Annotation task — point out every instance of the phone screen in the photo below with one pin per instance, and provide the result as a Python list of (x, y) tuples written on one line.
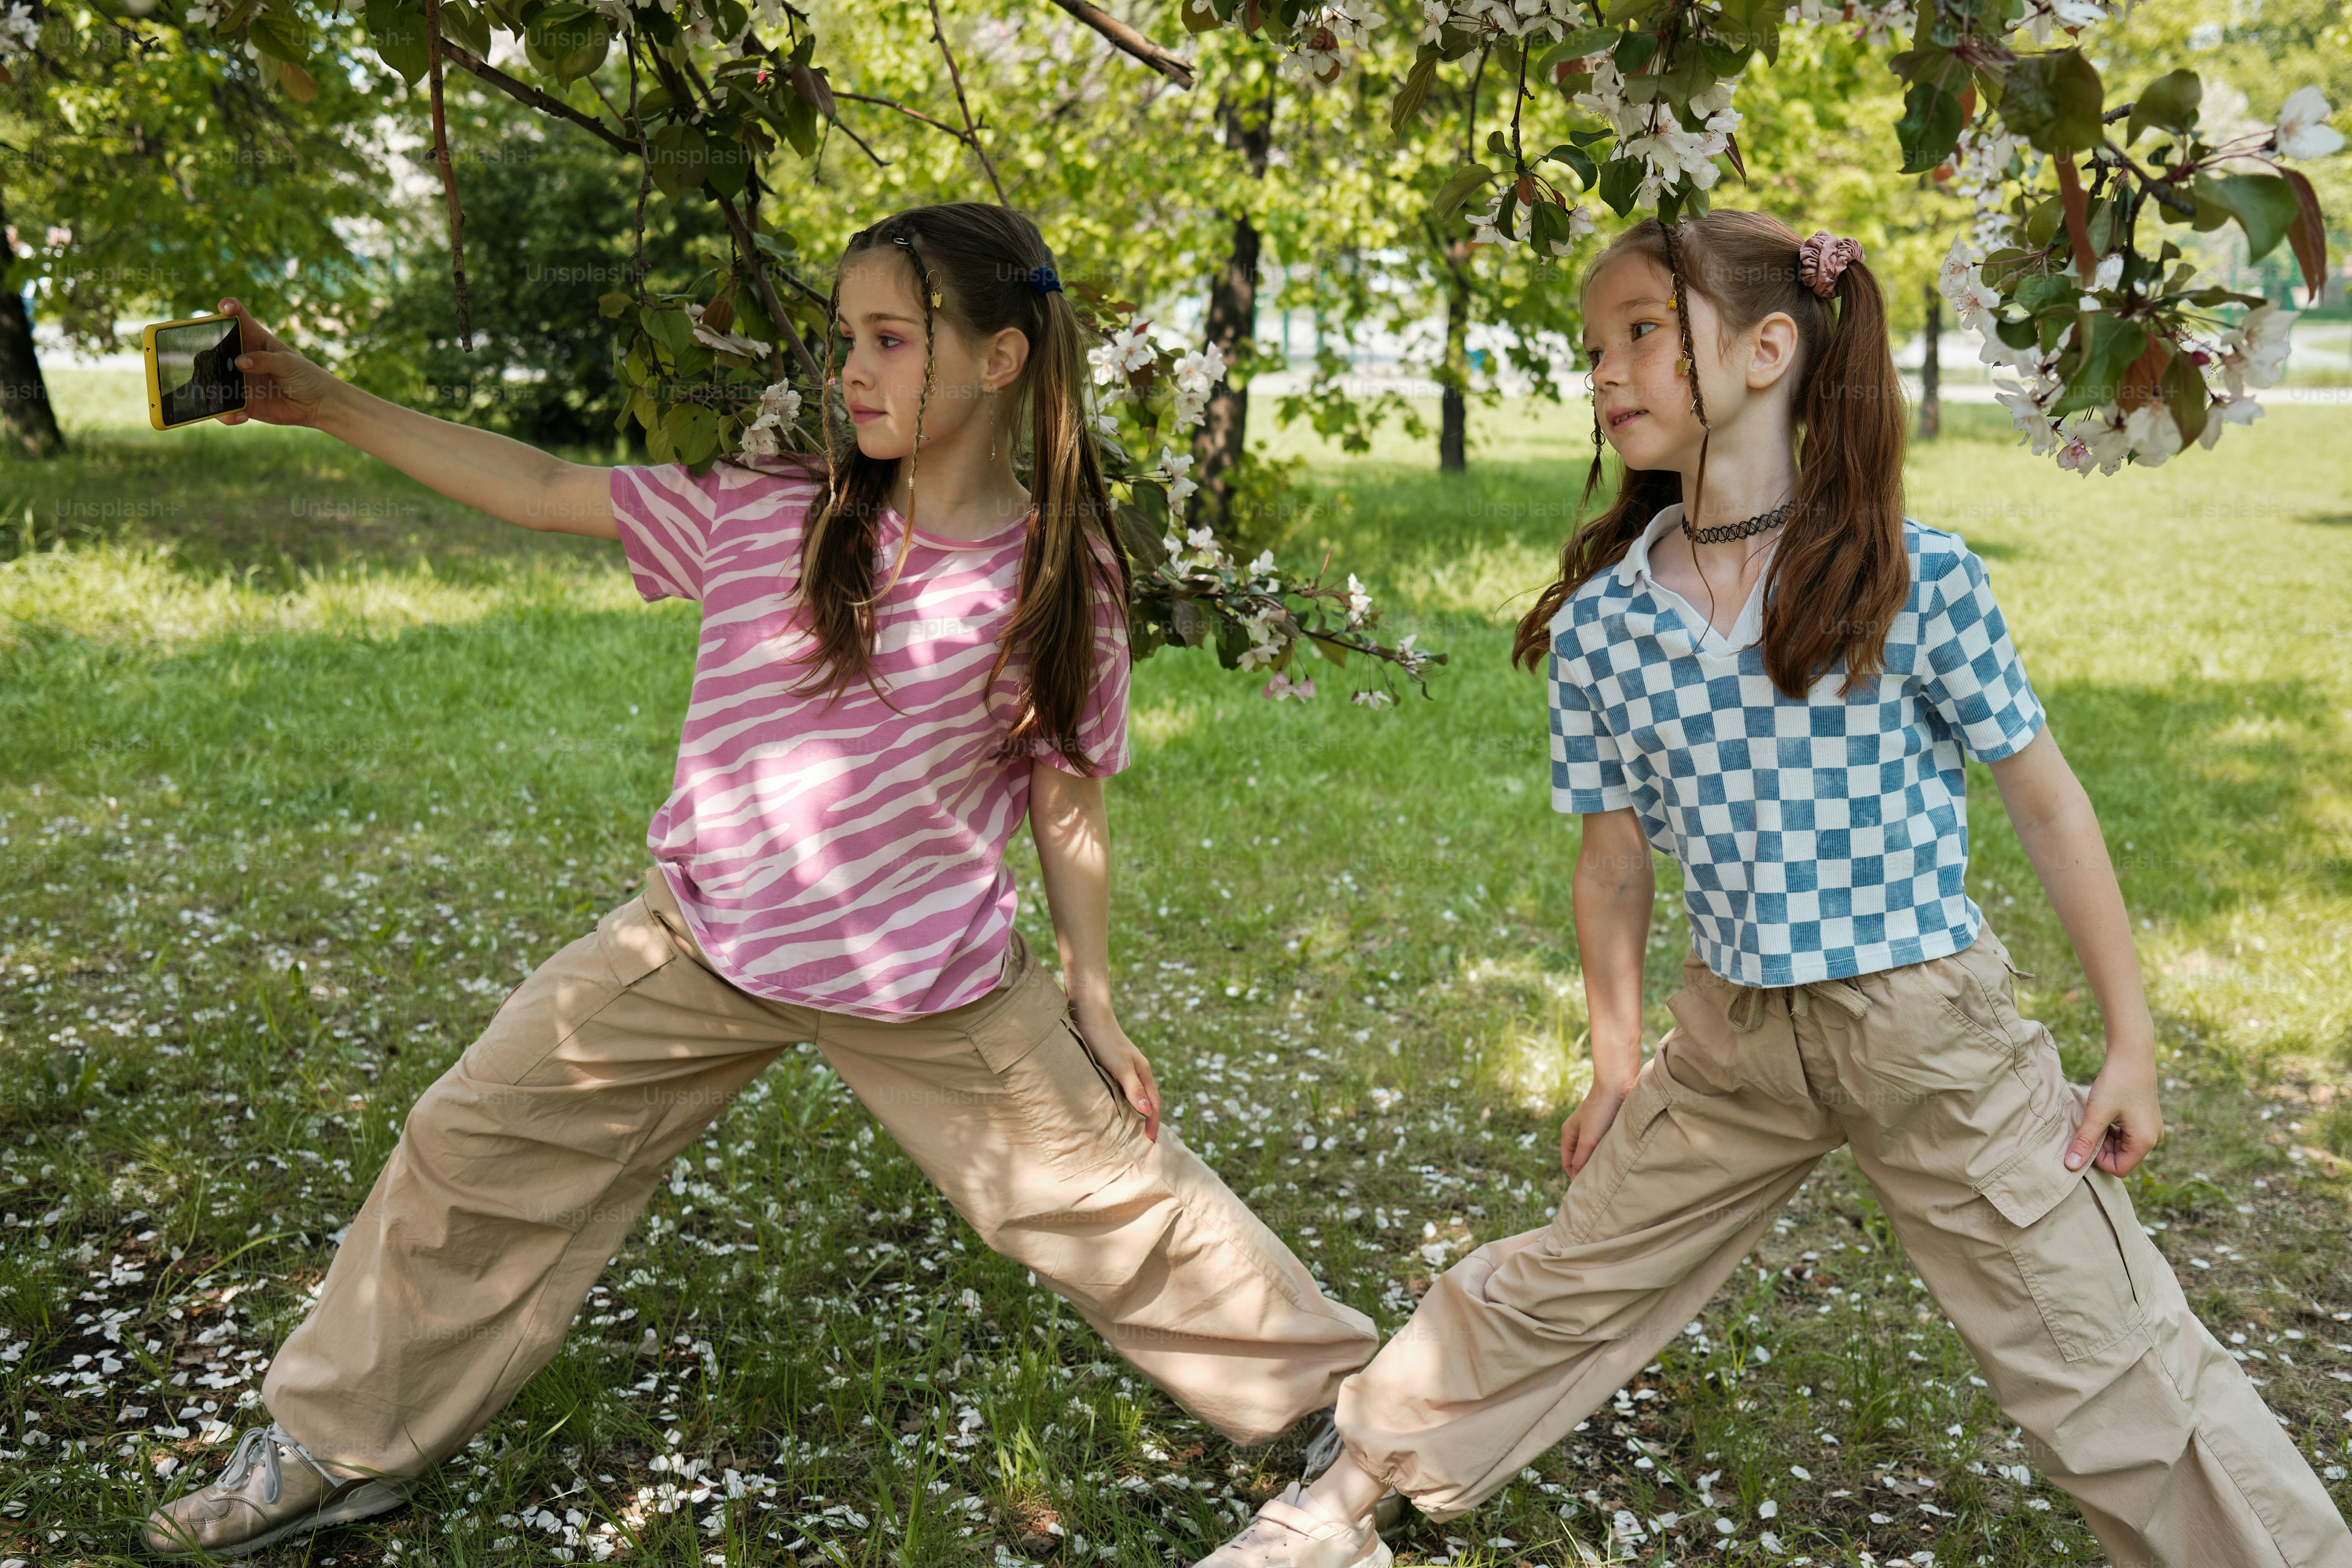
[(195, 371)]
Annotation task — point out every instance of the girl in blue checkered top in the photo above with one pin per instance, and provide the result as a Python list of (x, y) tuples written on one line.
[(1759, 666)]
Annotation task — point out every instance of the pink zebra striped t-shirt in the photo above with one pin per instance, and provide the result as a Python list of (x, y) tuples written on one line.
[(852, 859)]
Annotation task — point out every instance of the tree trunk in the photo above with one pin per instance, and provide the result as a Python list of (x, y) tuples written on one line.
[(1223, 436), (1931, 369), (25, 412), (1453, 432)]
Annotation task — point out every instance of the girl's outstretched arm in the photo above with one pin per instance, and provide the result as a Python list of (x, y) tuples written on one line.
[(2060, 831), (1614, 886), (511, 481), (1072, 827)]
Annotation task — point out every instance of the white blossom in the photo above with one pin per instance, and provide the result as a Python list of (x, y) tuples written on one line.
[(2154, 436), (1122, 350), (2254, 352), (1177, 470), (2303, 128), (2229, 411)]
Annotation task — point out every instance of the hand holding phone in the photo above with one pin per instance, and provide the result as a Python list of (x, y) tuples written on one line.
[(280, 387), (192, 373)]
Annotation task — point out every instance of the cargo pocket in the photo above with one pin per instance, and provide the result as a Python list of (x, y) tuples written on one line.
[(632, 942), (2070, 1251), (1074, 1117)]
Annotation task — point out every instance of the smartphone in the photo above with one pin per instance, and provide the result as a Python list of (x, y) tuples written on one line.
[(192, 373)]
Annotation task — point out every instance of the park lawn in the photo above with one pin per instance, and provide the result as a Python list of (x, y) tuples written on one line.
[(307, 768)]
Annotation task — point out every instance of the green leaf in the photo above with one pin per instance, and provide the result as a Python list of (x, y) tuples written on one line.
[(610, 305), (1723, 59), (2043, 290), (2308, 234), (1685, 78), (681, 158), (462, 22), (2206, 298), (729, 162), (280, 35), (2183, 385), (1930, 126), (1337, 652), (568, 42), (1186, 626), (2169, 101), (1633, 51), (693, 431), (398, 33), (1580, 44), (670, 328), (2099, 224), (1146, 545), (2054, 101), (659, 446), (1620, 178), (1576, 158), (2263, 205), (1415, 90), (1551, 227), (2098, 376), (2042, 222), (1457, 190)]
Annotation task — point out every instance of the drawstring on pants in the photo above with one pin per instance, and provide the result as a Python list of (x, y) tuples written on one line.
[(1748, 1003)]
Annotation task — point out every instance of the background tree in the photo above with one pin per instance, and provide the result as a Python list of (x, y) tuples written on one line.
[(144, 173)]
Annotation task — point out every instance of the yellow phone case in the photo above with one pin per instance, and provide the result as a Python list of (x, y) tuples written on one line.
[(154, 381)]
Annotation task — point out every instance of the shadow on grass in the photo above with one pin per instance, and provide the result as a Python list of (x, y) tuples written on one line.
[(260, 504)]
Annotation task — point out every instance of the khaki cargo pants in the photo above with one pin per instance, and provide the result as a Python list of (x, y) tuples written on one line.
[(1958, 1112), (522, 1168)]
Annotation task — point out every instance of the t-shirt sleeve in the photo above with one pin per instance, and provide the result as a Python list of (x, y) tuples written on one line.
[(666, 515), (1587, 772), (1970, 673), (1102, 723)]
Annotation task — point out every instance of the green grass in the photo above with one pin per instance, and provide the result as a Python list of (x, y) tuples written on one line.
[(294, 792)]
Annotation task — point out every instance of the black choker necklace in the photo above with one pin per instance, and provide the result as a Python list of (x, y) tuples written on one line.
[(1761, 523)]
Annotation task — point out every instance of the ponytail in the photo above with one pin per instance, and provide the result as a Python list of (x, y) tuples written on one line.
[(978, 266)]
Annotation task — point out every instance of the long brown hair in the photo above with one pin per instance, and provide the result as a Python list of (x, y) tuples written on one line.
[(972, 266), (1840, 573)]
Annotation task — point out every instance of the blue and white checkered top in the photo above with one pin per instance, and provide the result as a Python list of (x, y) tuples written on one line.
[(1818, 838)]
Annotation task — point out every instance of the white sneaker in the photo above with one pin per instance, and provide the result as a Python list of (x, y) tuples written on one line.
[(1287, 1533)]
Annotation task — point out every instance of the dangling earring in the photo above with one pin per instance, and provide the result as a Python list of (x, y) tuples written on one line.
[(1593, 397), (991, 425)]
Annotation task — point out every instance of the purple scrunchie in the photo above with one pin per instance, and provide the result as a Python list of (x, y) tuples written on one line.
[(1820, 259)]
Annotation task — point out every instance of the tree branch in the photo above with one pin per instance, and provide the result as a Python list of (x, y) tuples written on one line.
[(536, 98), (448, 174), (892, 103), (1127, 40), (939, 36)]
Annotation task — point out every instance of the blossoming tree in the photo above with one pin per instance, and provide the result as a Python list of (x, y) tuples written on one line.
[(2120, 351)]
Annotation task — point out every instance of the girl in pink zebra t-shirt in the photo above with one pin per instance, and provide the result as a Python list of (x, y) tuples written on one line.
[(880, 695)]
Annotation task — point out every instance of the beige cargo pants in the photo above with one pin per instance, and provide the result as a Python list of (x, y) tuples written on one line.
[(522, 1168), (1958, 1112)]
